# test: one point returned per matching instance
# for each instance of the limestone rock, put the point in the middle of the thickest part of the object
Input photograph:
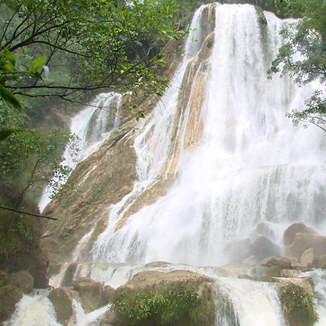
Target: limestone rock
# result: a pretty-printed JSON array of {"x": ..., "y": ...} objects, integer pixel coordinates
[
  {"x": 237, "y": 250},
  {"x": 320, "y": 262},
  {"x": 109, "y": 319},
  {"x": 108, "y": 293},
  {"x": 22, "y": 280},
  {"x": 307, "y": 258},
  {"x": 293, "y": 229},
  {"x": 304, "y": 241},
  {"x": 262, "y": 247},
  {"x": 9, "y": 296},
  {"x": 91, "y": 294},
  {"x": 282, "y": 262},
  {"x": 62, "y": 302}
]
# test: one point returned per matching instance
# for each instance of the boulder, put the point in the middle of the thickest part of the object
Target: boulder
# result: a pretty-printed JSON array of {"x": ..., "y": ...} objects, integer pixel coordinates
[
  {"x": 293, "y": 229},
  {"x": 9, "y": 296},
  {"x": 304, "y": 241},
  {"x": 91, "y": 293},
  {"x": 307, "y": 258},
  {"x": 320, "y": 261},
  {"x": 109, "y": 319},
  {"x": 62, "y": 302},
  {"x": 69, "y": 275},
  {"x": 108, "y": 293},
  {"x": 22, "y": 280},
  {"x": 237, "y": 250},
  {"x": 262, "y": 247}
]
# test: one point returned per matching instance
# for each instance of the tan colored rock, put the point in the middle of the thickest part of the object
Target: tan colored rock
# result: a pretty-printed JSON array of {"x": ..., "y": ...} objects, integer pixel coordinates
[
  {"x": 282, "y": 262},
  {"x": 307, "y": 258},
  {"x": 320, "y": 262},
  {"x": 62, "y": 302},
  {"x": 90, "y": 293},
  {"x": 291, "y": 273},
  {"x": 22, "y": 280},
  {"x": 293, "y": 229},
  {"x": 304, "y": 241}
]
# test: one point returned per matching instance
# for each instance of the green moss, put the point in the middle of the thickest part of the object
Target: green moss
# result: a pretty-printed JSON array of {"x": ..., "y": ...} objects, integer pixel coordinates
[
  {"x": 175, "y": 305},
  {"x": 298, "y": 305}
]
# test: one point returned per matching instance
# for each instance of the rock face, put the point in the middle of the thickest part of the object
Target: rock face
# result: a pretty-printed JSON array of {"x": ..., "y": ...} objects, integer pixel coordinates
[
  {"x": 62, "y": 302},
  {"x": 304, "y": 244},
  {"x": 9, "y": 296},
  {"x": 91, "y": 294},
  {"x": 258, "y": 248},
  {"x": 104, "y": 178},
  {"x": 12, "y": 288}
]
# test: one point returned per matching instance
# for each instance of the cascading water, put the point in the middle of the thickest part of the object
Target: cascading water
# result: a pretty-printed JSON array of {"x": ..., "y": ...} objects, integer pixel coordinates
[
  {"x": 251, "y": 166},
  {"x": 240, "y": 172},
  {"x": 92, "y": 126}
]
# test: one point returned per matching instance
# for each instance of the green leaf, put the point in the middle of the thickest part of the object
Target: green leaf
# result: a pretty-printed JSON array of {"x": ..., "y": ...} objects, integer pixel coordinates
[
  {"x": 9, "y": 56},
  {"x": 10, "y": 98},
  {"x": 4, "y": 133},
  {"x": 38, "y": 63}
]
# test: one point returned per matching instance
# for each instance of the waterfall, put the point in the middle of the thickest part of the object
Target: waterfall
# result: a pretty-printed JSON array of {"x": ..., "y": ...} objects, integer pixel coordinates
[
  {"x": 249, "y": 174},
  {"x": 91, "y": 126},
  {"x": 237, "y": 170}
]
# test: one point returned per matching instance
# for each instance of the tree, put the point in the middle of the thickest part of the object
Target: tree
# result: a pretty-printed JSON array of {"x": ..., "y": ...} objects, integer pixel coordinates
[
  {"x": 107, "y": 44},
  {"x": 303, "y": 56}
]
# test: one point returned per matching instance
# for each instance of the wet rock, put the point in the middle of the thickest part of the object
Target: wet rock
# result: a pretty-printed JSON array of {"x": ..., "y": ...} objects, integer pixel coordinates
[
  {"x": 109, "y": 319},
  {"x": 297, "y": 300},
  {"x": 69, "y": 275},
  {"x": 320, "y": 262},
  {"x": 22, "y": 280},
  {"x": 304, "y": 241},
  {"x": 290, "y": 273},
  {"x": 262, "y": 247},
  {"x": 9, "y": 296},
  {"x": 91, "y": 293},
  {"x": 281, "y": 262},
  {"x": 108, "y": 293},
  {"x": 307, "y": 258},
  {"x": 293, "y": 229},
  {"x": 237, "y": 250},
  {"x": 261, "y": 15},
  {"x": 62, "y": 302}
]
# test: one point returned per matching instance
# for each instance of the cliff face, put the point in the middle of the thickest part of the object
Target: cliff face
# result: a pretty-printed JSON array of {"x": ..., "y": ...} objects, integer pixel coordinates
[{"x": 82, "y": 207}]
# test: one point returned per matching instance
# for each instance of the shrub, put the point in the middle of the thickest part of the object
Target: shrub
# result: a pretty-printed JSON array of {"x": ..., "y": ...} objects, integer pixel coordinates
[
  {"x": 169, "y": 306},
  {"x": 298, "y": 305}
]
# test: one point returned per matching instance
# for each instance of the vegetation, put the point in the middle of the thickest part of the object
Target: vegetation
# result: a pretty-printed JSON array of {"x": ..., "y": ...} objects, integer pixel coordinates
[
  {"x": 53, "y": 50},
  {"x": 170, "y": 306},
  {"x": 298, "y": 305},
  {"x": 303, "y": 56}
]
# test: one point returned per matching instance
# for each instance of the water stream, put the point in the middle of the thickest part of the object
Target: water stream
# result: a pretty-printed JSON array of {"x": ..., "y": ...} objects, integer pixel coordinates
[
  {"x": 92, "y": 126},
  {"x": 248, "y": 174}
]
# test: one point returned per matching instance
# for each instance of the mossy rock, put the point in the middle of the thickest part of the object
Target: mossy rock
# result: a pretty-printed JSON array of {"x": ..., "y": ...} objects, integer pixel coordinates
[
  {"x": 298, "y": 305},
  {"x": 175, "y": 304}
]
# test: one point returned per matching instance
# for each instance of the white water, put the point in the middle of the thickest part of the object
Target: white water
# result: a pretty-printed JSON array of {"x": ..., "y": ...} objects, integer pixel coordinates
[
  {"x": 92, "y": 126},
  {"x": 250, "y": 167},
  {"x": 34, "y": 310}
]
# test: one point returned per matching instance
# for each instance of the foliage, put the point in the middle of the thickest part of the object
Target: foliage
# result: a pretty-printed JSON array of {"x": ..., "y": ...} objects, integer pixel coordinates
[
  {"x": 34, "y": 156},
  {"x": 298, "y": 305},
  {"x": 303, "y": 55},
  {"x": 169, "y": 306},
  {"x": 106, "y": 43}
]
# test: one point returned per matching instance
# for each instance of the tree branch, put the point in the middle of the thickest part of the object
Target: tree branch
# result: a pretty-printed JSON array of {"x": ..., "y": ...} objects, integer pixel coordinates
[{"x": 27, "y": 213}]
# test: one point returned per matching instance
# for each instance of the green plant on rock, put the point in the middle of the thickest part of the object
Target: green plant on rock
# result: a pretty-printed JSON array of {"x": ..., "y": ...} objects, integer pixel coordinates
[
  {"x": 298, "y": 305},
  {"x": 169, "y": 306}
]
